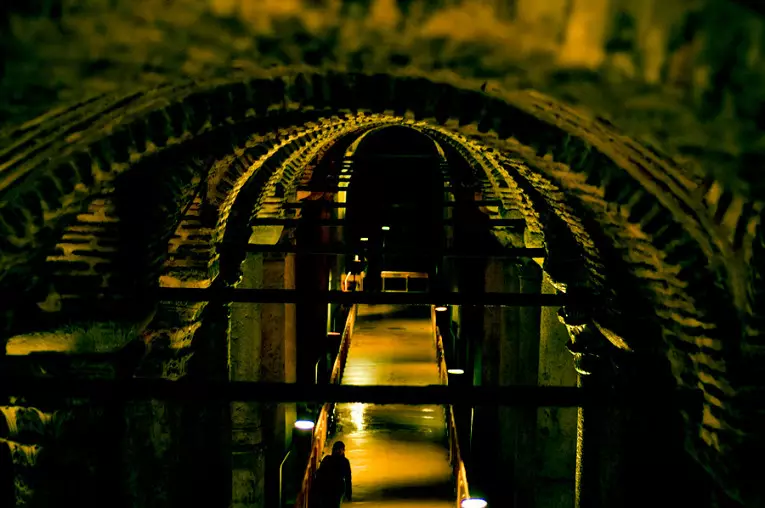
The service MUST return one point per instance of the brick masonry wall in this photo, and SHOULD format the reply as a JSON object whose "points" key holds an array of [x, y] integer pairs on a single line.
{"points": [[83, 259], [604, 170], [637, 219]]}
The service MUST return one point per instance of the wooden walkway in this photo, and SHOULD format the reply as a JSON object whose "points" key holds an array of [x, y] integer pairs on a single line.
{"points": [[398, 453]]}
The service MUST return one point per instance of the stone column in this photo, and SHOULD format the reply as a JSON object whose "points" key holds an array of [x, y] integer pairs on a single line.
{"points": [[493, 356], [470, 276], [261, 348], [600, 447], [471, 340], [278, 365], [504, 436], [502, 328], [334, 324], [245, 341], [524, 370], [623, 448], [209, 443], [312, 275], [556, 426]]}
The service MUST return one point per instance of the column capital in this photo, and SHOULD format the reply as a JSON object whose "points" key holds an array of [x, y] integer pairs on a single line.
{"points": [[573, 316], [590, 348], [529, 270]]}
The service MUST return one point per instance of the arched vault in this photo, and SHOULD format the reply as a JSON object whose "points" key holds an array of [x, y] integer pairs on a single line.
{"points": [[617, 219]]}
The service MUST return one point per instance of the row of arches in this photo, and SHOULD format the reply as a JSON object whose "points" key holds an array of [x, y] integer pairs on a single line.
{"points": [[616, 218]]}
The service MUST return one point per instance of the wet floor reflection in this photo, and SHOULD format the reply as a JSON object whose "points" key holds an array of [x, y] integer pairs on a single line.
{"points": [[398, 453]]}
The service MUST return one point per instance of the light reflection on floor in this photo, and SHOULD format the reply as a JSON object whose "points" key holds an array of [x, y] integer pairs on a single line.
{"points": [[398, 453]]}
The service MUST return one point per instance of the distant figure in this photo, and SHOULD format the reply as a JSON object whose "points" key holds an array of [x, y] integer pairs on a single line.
{"points": [[333, 479]]}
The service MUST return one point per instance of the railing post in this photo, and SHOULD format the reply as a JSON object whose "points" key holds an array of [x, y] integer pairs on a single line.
{"points": [[321, 430], [458, 466]]}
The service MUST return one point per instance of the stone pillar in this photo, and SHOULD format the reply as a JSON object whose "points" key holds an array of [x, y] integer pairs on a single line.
{"points": [[278, 365], [503, 437], [600, 445], [245, 343], [623, 448], [312, 275], [502, 328], [524, 371], [494, 356], [470, 275], [334, 323], [261, 348], [471, 341], [556, 426], [208, 444], [170, 446], [278, 321]]}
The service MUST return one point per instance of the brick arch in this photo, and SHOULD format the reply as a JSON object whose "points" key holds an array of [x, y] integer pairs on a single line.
{"points": [[586, 172], [94, 162], [569, 220], [283, 169], [550, 219], [473, 109], [478, 113], [548, 180], [545, 177]]}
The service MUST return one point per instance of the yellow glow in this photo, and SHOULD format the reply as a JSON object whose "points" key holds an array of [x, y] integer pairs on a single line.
{"points": [[23, 345], [474, 503], [440, 308], [364, 239], [455, 371], [357, 415]]}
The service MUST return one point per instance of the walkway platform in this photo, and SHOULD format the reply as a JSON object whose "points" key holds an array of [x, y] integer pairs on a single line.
{"points": [[399, 454]]}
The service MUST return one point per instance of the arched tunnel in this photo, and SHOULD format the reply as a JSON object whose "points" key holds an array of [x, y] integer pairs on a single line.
{"points": [[581, 179]]}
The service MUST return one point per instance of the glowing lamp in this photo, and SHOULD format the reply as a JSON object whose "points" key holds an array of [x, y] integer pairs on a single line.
{"points": [[386, 228], [440, 308], [304, 425], [474, 503], [455, 371], [365, 239]]}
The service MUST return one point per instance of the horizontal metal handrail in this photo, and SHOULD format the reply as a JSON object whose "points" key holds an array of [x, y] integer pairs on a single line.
{"points": [[345, 343], [501, 299], [460, 473], [244, 295], [109, 391], [351, 248], [322, 424]]}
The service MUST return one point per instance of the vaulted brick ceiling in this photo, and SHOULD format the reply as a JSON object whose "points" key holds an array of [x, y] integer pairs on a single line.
{"points": [[109, 191]]}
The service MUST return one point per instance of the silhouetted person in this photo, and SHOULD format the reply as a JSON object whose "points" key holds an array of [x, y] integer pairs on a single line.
{"points": [[333, 479]]}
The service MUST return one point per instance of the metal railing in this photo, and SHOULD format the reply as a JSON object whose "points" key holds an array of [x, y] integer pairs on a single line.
{"points": [[458, 466], [321, 428]]}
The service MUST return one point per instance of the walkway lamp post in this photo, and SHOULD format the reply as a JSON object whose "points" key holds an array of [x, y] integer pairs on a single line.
{"points": [[384, 230]]}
